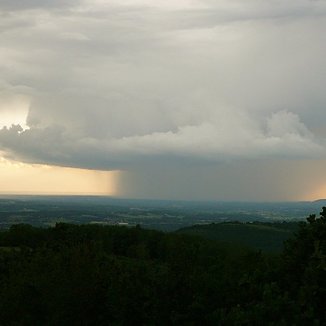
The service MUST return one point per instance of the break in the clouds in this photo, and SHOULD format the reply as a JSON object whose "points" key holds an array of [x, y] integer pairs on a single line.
{"points": [[117, 84]]}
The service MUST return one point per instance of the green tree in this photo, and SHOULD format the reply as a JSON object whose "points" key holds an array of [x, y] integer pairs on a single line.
{"points": [[304, 269]]}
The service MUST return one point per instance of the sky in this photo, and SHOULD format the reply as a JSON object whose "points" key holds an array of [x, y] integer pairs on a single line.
{"points": [[187, 99]]}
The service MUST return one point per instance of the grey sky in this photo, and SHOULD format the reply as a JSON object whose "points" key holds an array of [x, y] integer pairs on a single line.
{"points": [[131, 84]]}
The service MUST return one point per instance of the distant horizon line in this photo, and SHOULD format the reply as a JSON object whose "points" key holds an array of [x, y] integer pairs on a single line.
{"points": [[104, 195]]}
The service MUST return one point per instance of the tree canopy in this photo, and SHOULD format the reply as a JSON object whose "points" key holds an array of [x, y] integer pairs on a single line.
{"points": [[110, 275]]}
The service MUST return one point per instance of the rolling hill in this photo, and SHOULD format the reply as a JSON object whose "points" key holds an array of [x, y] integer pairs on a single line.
{"points": [[264, 236]]}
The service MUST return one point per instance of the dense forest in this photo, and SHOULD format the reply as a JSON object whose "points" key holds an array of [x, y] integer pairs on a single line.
{"points": [[268, 237], [112, 275]]}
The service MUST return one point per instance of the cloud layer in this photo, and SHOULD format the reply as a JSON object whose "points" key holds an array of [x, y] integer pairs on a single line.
{"points": [[118, 84], [222, 138]]}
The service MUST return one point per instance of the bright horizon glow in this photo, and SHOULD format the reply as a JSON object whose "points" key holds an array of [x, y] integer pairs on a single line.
{"points": [[17, 178], [320, 193], [21, 178]]}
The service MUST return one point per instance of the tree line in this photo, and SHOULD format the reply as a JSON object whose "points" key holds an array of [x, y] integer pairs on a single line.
{"points": [[110, 275]]}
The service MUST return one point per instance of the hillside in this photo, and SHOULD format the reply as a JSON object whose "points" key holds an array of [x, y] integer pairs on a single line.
{"points": [[113, 275], [264, 236]]}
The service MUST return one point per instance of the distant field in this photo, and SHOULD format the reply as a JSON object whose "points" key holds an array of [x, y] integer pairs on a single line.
{"points": [[264, 236], [168, 216]]}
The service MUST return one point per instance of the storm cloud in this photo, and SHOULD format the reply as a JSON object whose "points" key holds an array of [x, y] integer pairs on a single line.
{"points": [[116, 85]]}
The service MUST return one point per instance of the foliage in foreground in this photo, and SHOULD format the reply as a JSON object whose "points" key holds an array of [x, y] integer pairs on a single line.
{"points": [[96, 275]]}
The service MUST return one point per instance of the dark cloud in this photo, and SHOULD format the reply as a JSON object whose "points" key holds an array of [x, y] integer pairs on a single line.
{"points": [[229, 136], [119, 84], [250, 180]]}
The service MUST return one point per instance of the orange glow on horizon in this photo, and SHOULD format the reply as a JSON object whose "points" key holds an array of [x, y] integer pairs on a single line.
{"points": [[319, 193], [22, 178]]}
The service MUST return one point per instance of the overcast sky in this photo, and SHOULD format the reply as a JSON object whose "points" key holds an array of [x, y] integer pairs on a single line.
{"points": [[192, 99]]}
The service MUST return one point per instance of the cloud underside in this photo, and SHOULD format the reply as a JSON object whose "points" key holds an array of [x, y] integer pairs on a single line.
{"points": [[118, 84], [228, 137]]}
